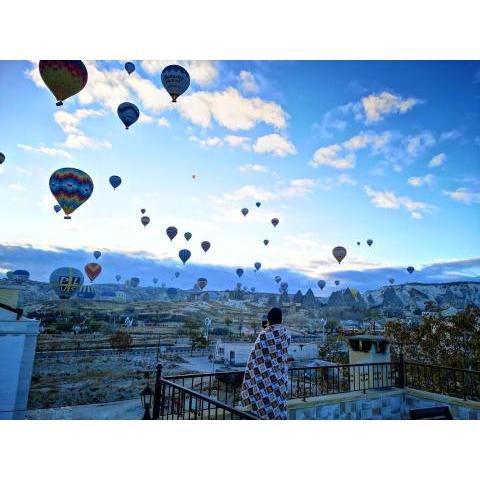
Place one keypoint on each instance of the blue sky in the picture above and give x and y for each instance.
(339, 151)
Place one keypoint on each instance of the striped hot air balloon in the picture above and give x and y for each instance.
(171, 232)
(339, 253)
(71, 188)
(205, 246)
(184, 255)
(275, 221)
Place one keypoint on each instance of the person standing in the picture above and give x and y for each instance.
(265, 383)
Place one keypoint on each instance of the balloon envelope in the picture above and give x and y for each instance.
(187, 236)
(63, 78)
(337, 282)
(172, 292)
(65, 281)
(134, 282)
(129, 67)
(257, 266)
(57, 208)
(142, 211)
(115, 181)
(20, 276)
(275, 221)
(321, 284)
(391, 280)
(244, 211)
(239, 272)
(175, 80)
(71, 188)
(118, 277)
(278, 278)
(266, 242)
(2, 158)
(177, 274)
(86, 291)
(205, 246)
(145, 220)
(410, 270)
(258, 204)
(369, 242)
(184, 255)
(171, 232)
(97, 254)
(339, 253)
(93, 270)
(128, 113)
(202, 283)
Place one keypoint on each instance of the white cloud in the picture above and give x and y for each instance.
(376, 107)
(248, 83)
(69, 121)
(16, 187)
(275, 144)
(437, 160)
(450, 135)
(368, 139)
(206, 142)
(416, 215)
(330, 157)
(463, 195)
(416, 144)
(144, 118)
(163, 122)
(202, 72)
(419, 181)
(23, 171)
(78, 142)
(55, 152)
(390, 200)
(237, 141)
(253, 168)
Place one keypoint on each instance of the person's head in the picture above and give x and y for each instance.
(274, 316)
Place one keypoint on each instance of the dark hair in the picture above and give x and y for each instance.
(264, 323)
(274, 316)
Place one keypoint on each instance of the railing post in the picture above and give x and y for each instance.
(401, 374)
(157, 393)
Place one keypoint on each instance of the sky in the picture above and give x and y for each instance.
(339, 152)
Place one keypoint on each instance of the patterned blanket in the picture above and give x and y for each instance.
(264, 388)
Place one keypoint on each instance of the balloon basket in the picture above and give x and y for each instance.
(59, 103)
(67, 217)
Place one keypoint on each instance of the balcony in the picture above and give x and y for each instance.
(357, 391)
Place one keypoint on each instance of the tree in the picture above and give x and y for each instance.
(121, 341)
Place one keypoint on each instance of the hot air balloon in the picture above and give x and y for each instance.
(257, 266)
(134, 282)
(2, 158)
(194, 177)
(177, 274)
(129, 67)
(97, 254)
(63, 78)
(171, 232)
(337, 282)
(339, 253)
(128, 113)
(115, 181)
(155, 280)
(172, 293)
(284, 286)
(187, 236)
(175, 80)
(391, 280)
(239, 272)
(266, 242)
(410, 270)
(202, 283)
(184, 255)
(275, 222)
(20, 276)
(258, 204)
(93, 270)
(321, 284)
(145, 220)
(118, 277)
(9, 275)
(71, 187)
(142, 211)
(244, 211)
(278, 278)
(57, 208)
(205, 246)
(86, 291)
(369, 242)
(65, 281)
(358, 243)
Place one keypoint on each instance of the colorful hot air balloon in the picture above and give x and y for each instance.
(171, 232)
(93, 270)
(275, 221)
(63, 78)
(202, 283)
(142, 211)
(205, 246)
(118, 277)
(258, 204)
(244, 211)
(65, 281)
(339, 253)
(175, 80)
(391, 280)
(128, 113)
(184, 255)
(278, 278)
(71, 187)
(321, 284)
(145, 220)
(115, 181)
(129, 67)
(187, 236)
(410, 270)
(86, 291)
(337, 282)
(369, 242)
(57, 208)
(239, 272)
(2, 158)
(134, 282)
(177, 274)
(266, 242)
(257, 266)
